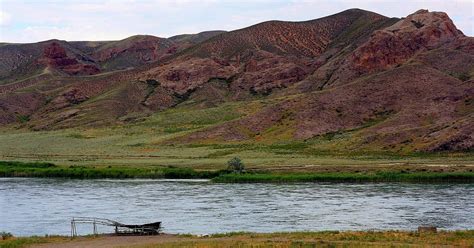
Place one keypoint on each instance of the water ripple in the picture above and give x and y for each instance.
(45, 206)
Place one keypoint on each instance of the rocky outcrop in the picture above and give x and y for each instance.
(264, 72)
(420, 31)
(185, 75)
(394, 45)
(55, 56)
(142, 48)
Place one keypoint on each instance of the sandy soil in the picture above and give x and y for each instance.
(326, 239)
(107, 241)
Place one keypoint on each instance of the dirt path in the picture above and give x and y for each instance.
(111, 241)
(357, 239)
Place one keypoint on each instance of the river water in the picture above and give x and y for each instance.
(32, 206)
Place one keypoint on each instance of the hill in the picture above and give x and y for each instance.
(353, 81)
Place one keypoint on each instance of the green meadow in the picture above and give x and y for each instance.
(148, 142)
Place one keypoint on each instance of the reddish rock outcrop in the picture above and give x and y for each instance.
(134, 51)
(55, 56)
(188, 74)
(391, 46)
(263, 72)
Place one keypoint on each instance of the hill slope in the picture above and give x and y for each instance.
(355, 80)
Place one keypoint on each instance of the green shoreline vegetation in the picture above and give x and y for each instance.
(464, 238)
(49, 170)
(410, 177)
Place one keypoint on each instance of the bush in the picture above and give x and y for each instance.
(6, 235)
(463, 76)
(236, 165)
(23, 118)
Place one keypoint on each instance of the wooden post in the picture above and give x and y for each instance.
(73, 229)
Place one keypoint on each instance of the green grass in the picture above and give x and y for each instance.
(19, 242)
(412, 177)
(31, 165)
(187, 173)
(19, 169)
(147, 144)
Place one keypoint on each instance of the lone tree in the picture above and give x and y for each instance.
(236, 165)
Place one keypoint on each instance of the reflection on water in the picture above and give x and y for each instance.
(45, 206)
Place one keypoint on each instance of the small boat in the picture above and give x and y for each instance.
(145, 229)
(153, 228)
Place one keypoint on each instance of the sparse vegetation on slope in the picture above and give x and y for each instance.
(319, 85)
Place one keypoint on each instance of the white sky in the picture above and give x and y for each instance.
(33, 20)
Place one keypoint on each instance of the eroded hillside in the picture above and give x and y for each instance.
(366, 81)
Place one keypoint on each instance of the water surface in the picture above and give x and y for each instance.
(32, 206)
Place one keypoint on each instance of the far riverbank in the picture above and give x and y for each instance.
(49, 170)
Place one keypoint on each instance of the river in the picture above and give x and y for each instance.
(33, 206)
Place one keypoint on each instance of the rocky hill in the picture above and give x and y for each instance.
(393, 84)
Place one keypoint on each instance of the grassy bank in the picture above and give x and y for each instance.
(283, 240)
(412, 177)
(20, 169)
(148, 144)
(35, 169)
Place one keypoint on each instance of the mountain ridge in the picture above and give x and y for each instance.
(388, 83)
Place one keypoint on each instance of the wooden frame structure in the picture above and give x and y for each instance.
(120, 229)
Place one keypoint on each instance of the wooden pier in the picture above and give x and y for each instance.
(120, 229)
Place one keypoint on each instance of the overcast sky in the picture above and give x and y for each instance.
(32, 21)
